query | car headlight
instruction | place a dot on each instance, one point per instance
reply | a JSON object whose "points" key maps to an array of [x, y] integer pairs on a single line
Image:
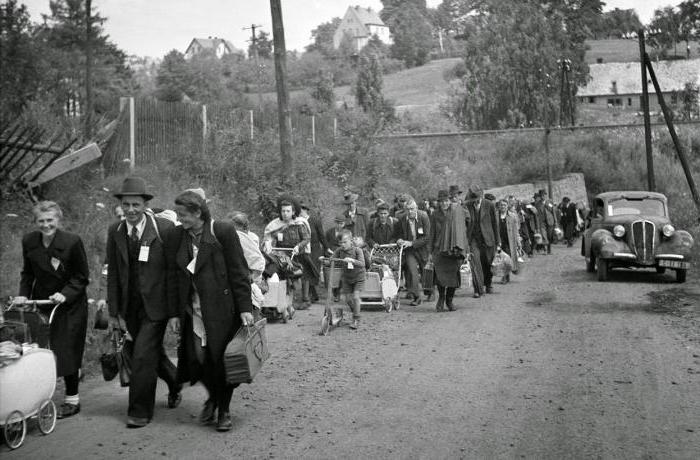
{"points": [[619, 231], [668, 230]]}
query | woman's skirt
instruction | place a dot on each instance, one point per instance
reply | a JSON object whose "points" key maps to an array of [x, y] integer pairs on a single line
{"points": [[447, 269]]}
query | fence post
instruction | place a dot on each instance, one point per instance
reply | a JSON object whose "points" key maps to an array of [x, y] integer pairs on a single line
{"points": [[132, 137], [252, 127], [335, 127], [204, 128], [313, 129]]}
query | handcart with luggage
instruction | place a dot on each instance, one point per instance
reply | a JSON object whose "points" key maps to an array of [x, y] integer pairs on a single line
{"points": [[27, 369], [383, 278]]}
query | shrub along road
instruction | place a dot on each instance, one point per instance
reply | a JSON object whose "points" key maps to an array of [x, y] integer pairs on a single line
{"points": [[553, 365]]}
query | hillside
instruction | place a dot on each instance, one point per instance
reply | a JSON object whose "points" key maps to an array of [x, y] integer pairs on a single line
{"points": [[618, 50]]}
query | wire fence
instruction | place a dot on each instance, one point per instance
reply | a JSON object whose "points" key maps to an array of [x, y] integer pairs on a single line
{"points": [[149, 130]]}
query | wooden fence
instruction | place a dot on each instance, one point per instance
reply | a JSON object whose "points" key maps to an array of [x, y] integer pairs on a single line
{"points": [[149, 130]]}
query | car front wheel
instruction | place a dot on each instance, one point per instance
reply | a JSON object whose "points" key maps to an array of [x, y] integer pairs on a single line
{"points": [[680, 275], [602, 269]]}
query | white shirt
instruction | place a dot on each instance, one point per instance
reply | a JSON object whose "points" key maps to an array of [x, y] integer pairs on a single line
{"points": [[139, 227]]}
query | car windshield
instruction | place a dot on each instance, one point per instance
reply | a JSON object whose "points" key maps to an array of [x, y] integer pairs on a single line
{"points": [[641, 206]]}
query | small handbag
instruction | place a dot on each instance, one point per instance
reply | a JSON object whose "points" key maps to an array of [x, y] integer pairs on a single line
{"points": [[109, 362], [246, 353], [125, 349], [465, 275]]}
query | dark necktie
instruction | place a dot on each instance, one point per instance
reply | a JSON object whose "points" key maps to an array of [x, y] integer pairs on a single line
{"points": [[134, 240]]}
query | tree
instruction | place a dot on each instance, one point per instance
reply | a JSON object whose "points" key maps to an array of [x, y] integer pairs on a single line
{"points": [[322, 37], [511, 69], [264, 44], [172, 80], [412, 33], [368, 87], [323, 90], [667, 22], [19, 60], [690, 20], [617, 22]]}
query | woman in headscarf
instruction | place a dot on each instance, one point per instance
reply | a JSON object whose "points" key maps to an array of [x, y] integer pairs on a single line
{"points": [[56, 268], [209, 287]]}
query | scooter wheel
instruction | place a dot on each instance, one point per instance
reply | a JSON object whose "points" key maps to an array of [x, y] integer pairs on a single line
{"points": [[325, 325]]}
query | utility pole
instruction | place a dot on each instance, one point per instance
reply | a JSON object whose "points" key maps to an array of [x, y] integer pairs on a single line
{"points": [[254, 43], [285, 121], [88, 69], [651, 182]]}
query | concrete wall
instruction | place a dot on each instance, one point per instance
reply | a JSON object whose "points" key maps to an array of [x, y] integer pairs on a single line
{"points": [[571, 185]]}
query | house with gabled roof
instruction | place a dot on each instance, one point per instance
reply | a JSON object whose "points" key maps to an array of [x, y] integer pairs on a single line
{"points": [[218, 46], [619, 84], [359, 25]]}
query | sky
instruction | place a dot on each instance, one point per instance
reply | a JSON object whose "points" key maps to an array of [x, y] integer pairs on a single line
{"points": [[154, 27]]}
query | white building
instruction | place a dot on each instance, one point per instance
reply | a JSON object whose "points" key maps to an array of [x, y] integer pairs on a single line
{"points": [[360, 24]]}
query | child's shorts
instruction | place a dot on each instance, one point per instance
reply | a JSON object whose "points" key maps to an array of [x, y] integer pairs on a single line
{"points": [[349, 288]]}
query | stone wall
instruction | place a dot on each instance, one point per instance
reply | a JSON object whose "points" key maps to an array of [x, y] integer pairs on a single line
{"points": [[571, 185]]}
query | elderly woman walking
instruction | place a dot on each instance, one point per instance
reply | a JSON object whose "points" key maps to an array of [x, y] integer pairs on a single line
{"points": [[449, 246], [208, 285], [56, 268]]}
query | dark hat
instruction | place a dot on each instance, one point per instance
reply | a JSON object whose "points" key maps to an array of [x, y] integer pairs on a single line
{"points": [[443, 195], [454, 190], [340, 218], [541, 192], [566, 198], [475, 191], [350, 197], [490, 196], [383, 207], [304, 205], [133, 186]]}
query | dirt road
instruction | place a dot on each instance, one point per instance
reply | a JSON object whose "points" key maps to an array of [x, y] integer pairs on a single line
{"points": [[553, 365]]}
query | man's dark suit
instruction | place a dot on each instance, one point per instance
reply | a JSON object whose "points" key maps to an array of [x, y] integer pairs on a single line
{"points": [[484, 235], [144, 307], [416, 256]]}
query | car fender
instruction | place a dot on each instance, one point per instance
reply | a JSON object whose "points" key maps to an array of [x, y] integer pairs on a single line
{"points": [[604, 244], [681, 243]]}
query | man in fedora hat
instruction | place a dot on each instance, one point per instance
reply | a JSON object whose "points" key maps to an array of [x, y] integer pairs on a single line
{"points": [[355, 219], [548, 219], [136, 293], [484, 236]]}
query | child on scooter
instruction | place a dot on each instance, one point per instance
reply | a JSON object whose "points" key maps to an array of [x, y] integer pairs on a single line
{"points": [[353, 278]]}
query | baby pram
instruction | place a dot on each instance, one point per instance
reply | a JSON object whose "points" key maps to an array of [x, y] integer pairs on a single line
{"points": [[383, 278], [280, 273], [27, 372]]}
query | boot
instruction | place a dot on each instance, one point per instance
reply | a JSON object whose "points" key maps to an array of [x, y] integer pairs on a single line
{"points": [[449, 295], [440, 304]]}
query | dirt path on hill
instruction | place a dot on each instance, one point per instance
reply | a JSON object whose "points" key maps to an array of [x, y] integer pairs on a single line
{"points": [[553, 365]]}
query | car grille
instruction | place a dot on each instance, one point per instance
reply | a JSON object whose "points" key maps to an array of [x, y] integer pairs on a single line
{"points": [[643, 233]]}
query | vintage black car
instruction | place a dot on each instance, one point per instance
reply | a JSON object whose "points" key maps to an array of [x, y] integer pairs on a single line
{"points": [[633, 229]]}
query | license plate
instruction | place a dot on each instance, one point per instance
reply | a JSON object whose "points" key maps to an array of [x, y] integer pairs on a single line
{"points": [[674, 264]]}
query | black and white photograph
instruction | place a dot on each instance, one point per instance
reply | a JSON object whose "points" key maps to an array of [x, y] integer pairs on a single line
{"points": [[324, 229]]}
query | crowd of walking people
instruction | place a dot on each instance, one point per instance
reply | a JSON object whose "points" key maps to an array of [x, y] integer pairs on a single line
{"points": [[205, 278]]}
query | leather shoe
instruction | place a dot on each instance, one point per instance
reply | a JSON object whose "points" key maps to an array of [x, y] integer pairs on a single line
{"points": [[207, 415], [136, 422], [174, 399], [66, 410], [224, 423], [489, 290], [416, 301], [476, 295]]}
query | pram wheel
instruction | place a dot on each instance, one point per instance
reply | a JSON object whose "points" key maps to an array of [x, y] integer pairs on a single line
{"points": [[15, 429], [47, 417], [388, 305]]}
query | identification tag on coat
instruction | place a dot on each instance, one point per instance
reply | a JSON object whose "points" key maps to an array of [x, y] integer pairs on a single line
{"points": [[280, 237], [350, 266], [143, 253], [192, 264], [55, 263], [420, 230]]}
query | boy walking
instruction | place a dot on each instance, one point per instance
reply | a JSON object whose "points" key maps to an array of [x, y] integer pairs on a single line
{"points": [[353, 278]]}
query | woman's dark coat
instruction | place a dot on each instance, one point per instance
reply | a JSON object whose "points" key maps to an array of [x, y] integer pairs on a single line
{"points": [[40, 280], [221, 278]]}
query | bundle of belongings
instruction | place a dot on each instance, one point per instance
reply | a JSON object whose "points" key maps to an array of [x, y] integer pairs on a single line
{"points": [[502, 266], [283, 265]]}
